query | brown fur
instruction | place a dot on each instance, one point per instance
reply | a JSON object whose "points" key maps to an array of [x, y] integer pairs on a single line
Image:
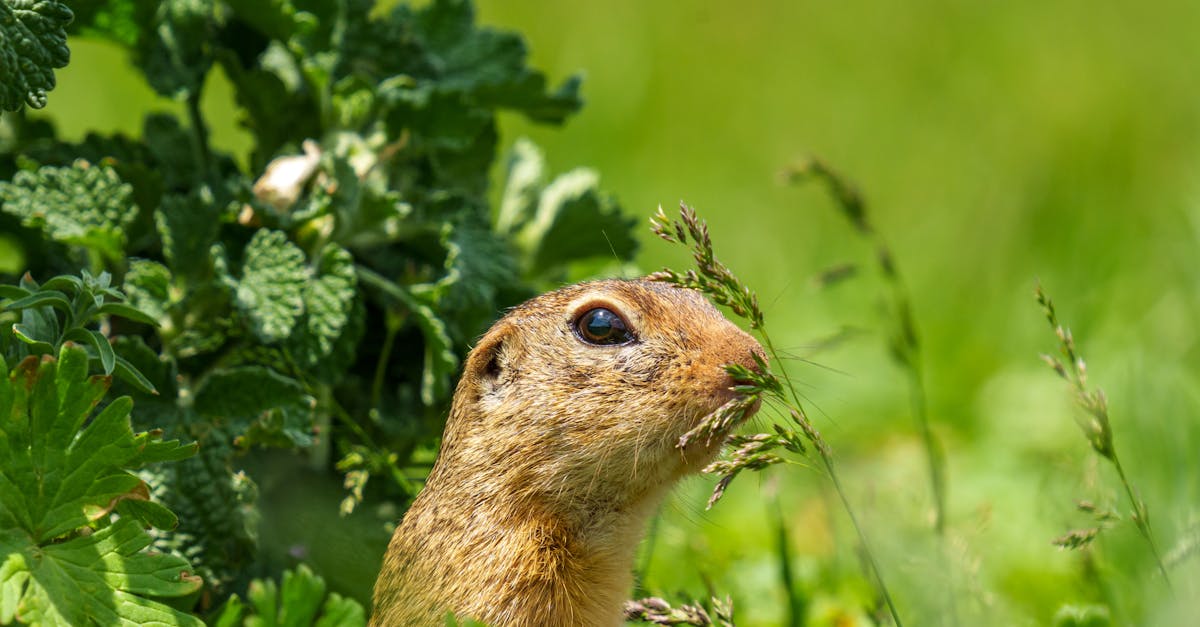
{"points": [[554, 455]]}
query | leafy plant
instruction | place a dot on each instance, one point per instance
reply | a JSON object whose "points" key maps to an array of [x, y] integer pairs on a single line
{"points": [[298, 601], [316, 294], [61, 311], [67, 560], [33, 43]]}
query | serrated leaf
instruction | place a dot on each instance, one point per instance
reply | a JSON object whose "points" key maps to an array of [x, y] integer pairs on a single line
{"points": [[247, 391], [176, 50], [188, 225], [218, 520], [33, 43], [59, 475], [149, 512], [266, 407], [488, 64], [329, 299], [271, 290], [82, 205], [102, 578], [576, 221], [148, 288], [522, 186], [478, 263]]}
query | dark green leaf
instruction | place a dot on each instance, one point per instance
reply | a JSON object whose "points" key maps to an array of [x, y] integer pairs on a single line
{"points": [[99, 344], [54, 299], [148, 288], [329, 300], [271, 290], [33, 43], [188, 226], [13, 292], [127, 312], [176, 51], [82, 205], [131, 375], [574, 221]]}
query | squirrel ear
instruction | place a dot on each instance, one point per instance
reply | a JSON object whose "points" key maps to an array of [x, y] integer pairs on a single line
{"points": [[487, 357]]}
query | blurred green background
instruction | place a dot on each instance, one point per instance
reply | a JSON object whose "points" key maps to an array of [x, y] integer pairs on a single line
{"points": [[996, 144]]}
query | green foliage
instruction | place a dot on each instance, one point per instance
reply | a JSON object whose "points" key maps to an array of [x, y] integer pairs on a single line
{"points": [[81, 205], [299, 601], [62, 310], [66, 560], [33, 43], [315, 295]]}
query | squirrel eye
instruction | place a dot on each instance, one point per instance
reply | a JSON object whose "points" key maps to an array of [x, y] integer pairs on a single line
{"points": [[603, 327]]}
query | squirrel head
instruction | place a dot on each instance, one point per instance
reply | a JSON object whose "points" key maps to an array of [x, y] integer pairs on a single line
{"points": [[579, 396]]}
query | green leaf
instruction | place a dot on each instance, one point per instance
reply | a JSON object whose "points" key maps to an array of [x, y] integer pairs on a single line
{"points": [[218, 517], [478, 263], [33, 43], [271, 290], [175, 52], [130, 374], [82, 205], [575, 221], [440, 362], [266, 407], [487, 64], [329, 300], [126, 311], [44, 297], [247, 391], [188, 225], [522, 187], [102, 578], [61, 476], [148, 288], [13, 292], [98, 342], [38, 326], [149, 512]]}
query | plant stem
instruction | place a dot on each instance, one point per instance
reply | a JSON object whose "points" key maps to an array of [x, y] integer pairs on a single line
{"points": [[1140, 521], [827, 459], [199, 128], [862, 537]]}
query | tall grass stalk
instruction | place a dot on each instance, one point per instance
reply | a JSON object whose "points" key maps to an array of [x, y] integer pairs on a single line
{"points": [[904, 344], [1097, 427], [714, 279]]}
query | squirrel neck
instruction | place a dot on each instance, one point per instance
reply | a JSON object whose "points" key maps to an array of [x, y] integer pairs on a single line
{"points": [[477, 541], [540, 559]]}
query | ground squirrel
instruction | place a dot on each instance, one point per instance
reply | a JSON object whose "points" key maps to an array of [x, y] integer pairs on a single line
{"points": [[562, 440]]}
